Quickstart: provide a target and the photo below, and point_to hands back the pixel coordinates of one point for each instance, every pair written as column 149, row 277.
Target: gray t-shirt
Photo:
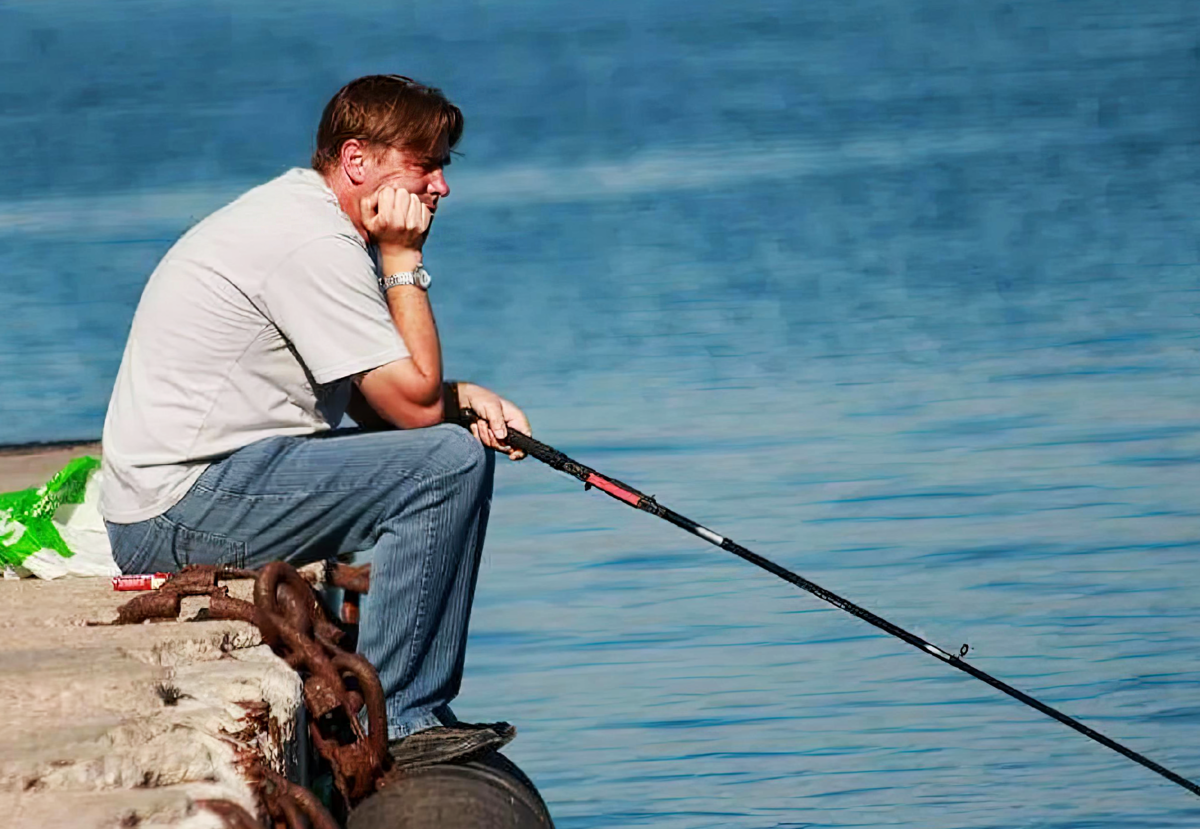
column 249, row 327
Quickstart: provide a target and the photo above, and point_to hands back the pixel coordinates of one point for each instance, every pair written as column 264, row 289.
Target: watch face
column 422, row 278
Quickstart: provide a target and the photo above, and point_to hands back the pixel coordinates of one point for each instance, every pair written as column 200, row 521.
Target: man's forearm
column 413, row 318
column 408, row 392
column 412, row 315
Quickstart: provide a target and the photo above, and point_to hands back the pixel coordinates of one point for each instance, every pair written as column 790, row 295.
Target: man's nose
column 438, row 185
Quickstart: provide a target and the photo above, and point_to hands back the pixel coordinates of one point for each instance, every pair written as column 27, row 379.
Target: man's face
column 401, row 168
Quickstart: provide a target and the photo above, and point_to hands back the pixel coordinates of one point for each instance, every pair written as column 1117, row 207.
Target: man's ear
column 354, row 159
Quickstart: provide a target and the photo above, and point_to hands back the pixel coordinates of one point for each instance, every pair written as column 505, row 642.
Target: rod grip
column 532, row 447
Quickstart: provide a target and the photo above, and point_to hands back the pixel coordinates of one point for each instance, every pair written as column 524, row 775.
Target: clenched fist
column 396, row 218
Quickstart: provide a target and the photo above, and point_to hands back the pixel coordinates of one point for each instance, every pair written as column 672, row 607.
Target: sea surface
column 904, row 295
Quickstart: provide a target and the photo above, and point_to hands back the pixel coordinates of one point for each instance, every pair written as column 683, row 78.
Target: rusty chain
column 338, row 685
column 166, row 602
column 294, row 624
column 230, row 813
column 290, row 806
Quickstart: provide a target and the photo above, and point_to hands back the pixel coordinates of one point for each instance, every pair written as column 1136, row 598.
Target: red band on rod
column 612, row 489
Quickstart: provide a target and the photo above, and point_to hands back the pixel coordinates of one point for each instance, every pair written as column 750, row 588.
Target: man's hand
column 496, row 416
column 396, row 220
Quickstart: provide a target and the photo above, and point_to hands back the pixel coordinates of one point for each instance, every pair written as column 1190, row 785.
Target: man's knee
column 459, row 452
column 445, row 454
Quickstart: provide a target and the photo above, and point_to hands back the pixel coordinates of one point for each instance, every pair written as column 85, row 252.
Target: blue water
column 905, row 295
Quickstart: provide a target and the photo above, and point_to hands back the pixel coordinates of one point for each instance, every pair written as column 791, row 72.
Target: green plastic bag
column 26, row 517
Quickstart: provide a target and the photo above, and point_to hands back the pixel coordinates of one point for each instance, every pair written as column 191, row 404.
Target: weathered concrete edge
column 90, row 740
column 139, row 762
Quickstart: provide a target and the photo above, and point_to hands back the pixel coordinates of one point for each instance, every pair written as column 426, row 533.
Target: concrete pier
column 106, row 727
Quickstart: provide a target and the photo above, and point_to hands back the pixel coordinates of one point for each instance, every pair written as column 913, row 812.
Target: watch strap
column 391, row 281
column 418, row 277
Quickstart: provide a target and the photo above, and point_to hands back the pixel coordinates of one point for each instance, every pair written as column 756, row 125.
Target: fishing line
column 627, row 494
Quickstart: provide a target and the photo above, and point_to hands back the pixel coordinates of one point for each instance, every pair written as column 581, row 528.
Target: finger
column 487, row 424
column 369, row 207
column 485, row 412
column 495, row 420
column 387, row 204
column 514, row 453
column 412, row 212
column 483, row 433
column 425, row 218
column 488, row 439
column 419, row 216
column 378, row 213
column 515, row 417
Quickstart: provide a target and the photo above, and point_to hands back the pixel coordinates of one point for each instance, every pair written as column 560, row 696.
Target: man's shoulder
column 269, row 223
column 298, row 195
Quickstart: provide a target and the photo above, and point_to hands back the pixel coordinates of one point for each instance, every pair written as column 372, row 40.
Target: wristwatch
column 419, row 277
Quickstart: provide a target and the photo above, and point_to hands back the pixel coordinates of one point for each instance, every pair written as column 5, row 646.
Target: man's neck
column 347, row 200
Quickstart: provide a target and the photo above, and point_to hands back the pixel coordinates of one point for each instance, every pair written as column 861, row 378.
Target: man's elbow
column 419, row 417
column 406, row 400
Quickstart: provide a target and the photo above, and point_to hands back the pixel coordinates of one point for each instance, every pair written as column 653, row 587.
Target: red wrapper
column 141, row 581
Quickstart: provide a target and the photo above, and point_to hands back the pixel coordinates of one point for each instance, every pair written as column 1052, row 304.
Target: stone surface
column 25, row 467
column 117, row 726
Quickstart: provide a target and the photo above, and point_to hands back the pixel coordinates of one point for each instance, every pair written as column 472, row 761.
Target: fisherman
column 303, row 301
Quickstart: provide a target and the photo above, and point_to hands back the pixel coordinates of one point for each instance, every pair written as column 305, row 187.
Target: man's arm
column 360, row 412
column 406, row 393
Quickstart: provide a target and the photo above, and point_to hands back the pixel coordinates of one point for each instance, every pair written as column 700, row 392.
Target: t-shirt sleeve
column 326, row 300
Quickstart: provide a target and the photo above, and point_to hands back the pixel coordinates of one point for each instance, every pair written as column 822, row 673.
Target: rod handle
column 519, row 440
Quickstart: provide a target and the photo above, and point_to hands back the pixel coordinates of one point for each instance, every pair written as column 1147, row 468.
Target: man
column 302, row 300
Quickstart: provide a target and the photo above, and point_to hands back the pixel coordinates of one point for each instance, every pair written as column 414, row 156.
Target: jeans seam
column 419, row 623
column 237, row 549
column 423, row 480
column 291, row 496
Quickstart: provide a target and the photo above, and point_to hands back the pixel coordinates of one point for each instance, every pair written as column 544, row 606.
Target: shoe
column 449, row 744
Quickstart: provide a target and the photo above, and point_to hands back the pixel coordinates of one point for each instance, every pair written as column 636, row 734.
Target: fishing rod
column 646, row 503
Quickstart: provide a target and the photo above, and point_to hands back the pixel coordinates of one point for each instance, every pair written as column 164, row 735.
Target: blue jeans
column 415, row 503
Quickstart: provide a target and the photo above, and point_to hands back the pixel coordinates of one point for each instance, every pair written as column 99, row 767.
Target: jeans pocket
column 199, row 547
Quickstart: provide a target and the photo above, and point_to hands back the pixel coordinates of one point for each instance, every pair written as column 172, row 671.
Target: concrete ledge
column 128, row 726
column 23, row 467
column 104, row 727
